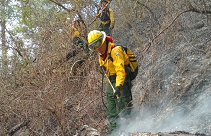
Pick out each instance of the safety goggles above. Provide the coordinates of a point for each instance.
(94, 45)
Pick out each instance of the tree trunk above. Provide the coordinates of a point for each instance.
(4, 66)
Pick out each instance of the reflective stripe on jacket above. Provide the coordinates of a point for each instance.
(117, 67)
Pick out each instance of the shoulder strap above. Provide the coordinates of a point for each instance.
(109, 57)
(108, 12)
(123, 49)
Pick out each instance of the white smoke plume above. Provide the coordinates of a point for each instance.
(193, 118)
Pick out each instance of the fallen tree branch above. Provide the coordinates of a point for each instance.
(17, 127)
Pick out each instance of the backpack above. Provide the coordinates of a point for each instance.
(133, 64)
(105, 16)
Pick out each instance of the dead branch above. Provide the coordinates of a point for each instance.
(76, 62)
(53, 112)
(68, 10)
(89, 104)
(200, 11)
(191, 9)
(149, 11)
(17, 127)
(156, 36)
(189, 4)
(13, 39)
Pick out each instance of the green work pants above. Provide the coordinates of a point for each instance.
(114, 106)
(105, 28)
(80, 43)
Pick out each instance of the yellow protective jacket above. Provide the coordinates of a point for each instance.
(75, 32)
(111, 17)
(117, 67)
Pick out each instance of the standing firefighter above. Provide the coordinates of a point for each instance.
(119, 98)
(106, 16)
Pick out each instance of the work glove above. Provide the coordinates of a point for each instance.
(117, 92)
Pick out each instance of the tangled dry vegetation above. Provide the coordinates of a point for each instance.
(52, 96)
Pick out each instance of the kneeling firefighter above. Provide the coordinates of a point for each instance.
(114, 62)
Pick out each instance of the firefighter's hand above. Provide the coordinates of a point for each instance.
(102, 69)
(117, 92)
(111, 27)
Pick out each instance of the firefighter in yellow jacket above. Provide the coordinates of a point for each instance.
(117, 71)
(106, 16)
(75, 31)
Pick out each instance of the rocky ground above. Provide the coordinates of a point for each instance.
(172, 91)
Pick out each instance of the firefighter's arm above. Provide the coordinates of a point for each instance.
(71, 30)
(111, 17)
(118, 62)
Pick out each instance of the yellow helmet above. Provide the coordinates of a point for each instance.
(96, 39)
(102, 1)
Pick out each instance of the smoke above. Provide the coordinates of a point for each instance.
(193, 117)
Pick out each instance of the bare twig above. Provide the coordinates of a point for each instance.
(191, 9)
(150, 12)
(13, 39)
(205, 9)
(68, 10)
(156, 36)
(53, 111)
(17, 127)
(89, 104)
(76, 63)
